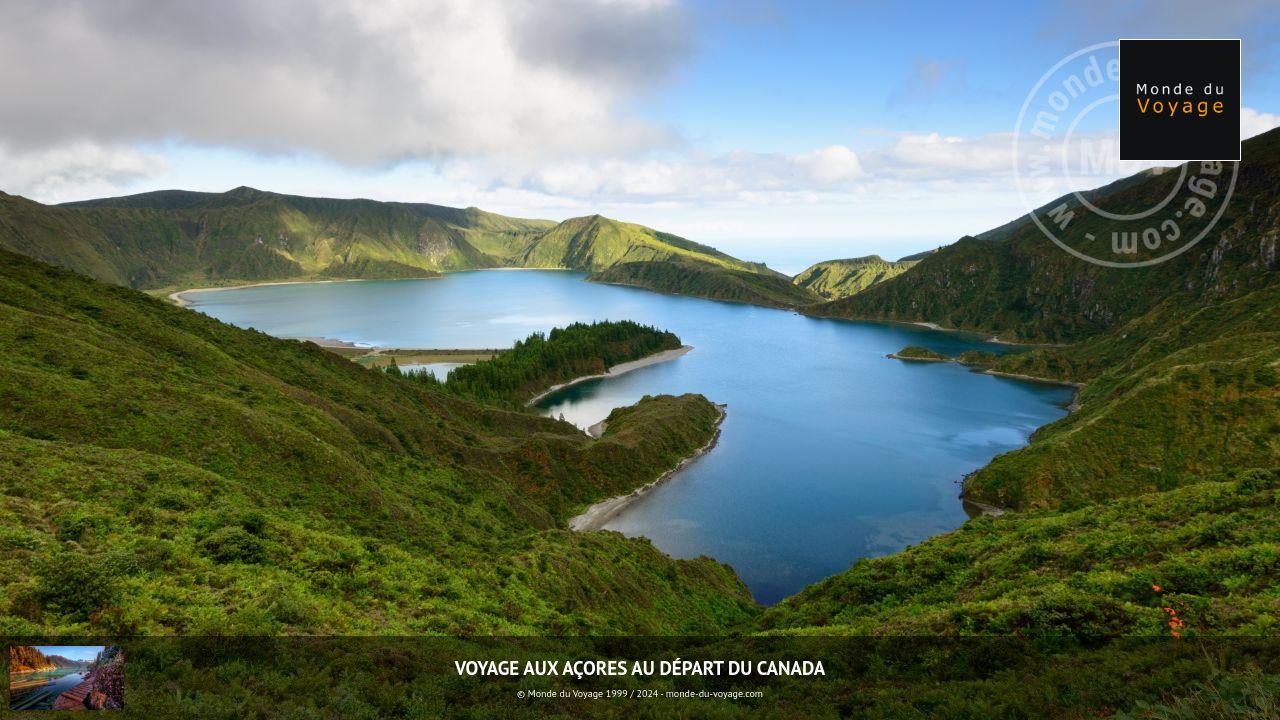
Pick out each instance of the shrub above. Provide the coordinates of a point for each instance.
(74, 584)
(233, 544)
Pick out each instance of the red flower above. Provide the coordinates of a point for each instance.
(1156, 588)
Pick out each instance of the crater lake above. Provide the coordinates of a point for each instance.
(829, 452)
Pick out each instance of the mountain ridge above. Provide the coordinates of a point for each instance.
(182, 239)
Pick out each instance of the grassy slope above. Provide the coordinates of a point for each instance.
(1174, 396)
(163, 472)
(1212, 547)
(699, 279)
(595, 243)
(832, 279)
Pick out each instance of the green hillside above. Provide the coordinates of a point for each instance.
(706, 280)
(595, 243)
(1148, 512)
(1025, 288)
(178, 238)
(1171, 398)
(832, 279)
(1084, 574)
(161, 472)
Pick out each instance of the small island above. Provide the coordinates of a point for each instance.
(919, 354)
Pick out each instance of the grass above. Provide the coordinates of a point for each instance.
(834, 279)
(165, 473)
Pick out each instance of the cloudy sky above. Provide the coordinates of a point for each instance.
(781, 131)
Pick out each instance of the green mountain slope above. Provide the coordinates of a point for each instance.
(1025, 288)
(832, 279)
(1164, 476)
(595, 243)
(706, 280)
(161, 472)
(1084, 574)
(179, 238)
(1172, 397)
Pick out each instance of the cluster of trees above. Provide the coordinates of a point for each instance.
(545, 359)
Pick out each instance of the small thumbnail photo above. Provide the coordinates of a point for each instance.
(66, 677)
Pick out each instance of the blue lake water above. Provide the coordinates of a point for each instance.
(830, 451)
(39, 690)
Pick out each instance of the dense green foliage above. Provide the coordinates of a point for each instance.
(177, 238)
(1212, 548)
(1171, 398)
(542, 360)
(705, 280)
(832, 279)
(161, 472)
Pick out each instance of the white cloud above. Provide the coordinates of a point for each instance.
(1253, 122)
(360, 82)
(829, 165)
(692, 177)
(75, 170)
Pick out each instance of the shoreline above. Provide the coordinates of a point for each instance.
(619, 369)
(984, 509)
(988, 338)
(180, 301)
(176, 296)
(595, 516)
(1072, 406)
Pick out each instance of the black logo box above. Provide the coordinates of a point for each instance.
(1185, 67)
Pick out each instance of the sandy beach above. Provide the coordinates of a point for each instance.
(619, 369)
(594, 517)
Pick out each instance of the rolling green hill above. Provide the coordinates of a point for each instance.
(1018, 284)
(711, 281)
(161, 472)
(595, 243)
(178, 238)
(833, 279)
